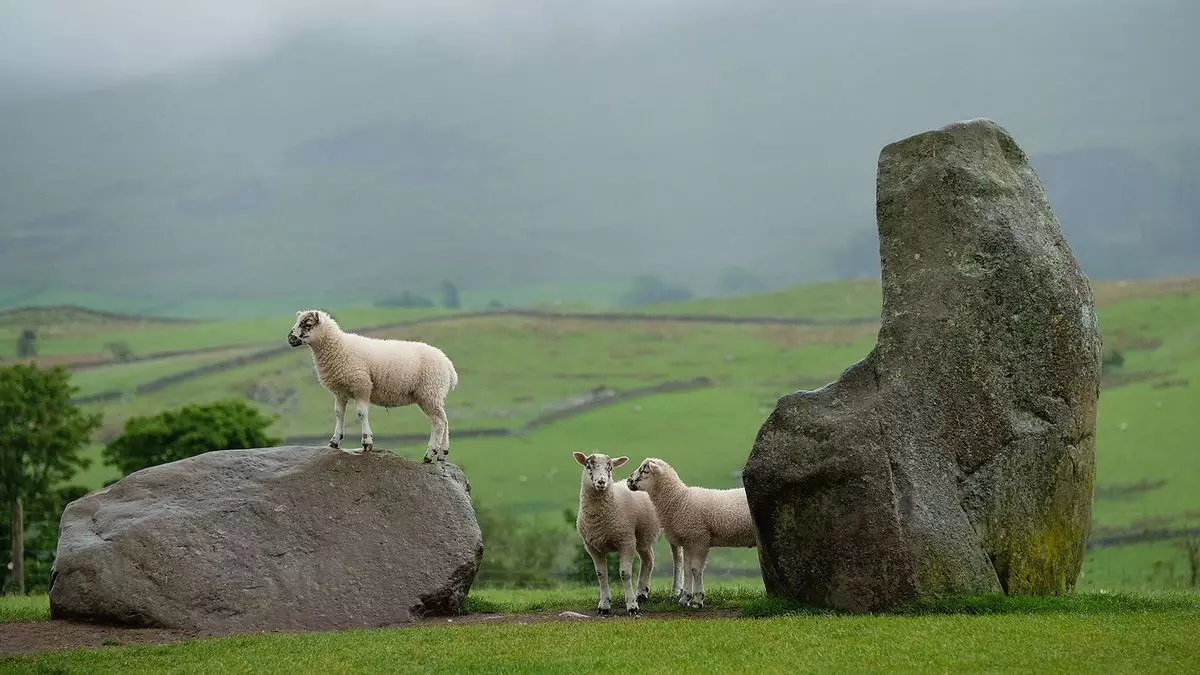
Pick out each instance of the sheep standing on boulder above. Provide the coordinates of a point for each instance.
(388, 373)
(694, 518)
(612, 518)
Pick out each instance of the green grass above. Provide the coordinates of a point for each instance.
(24, 608)
(828, 301)
(720, 594)
(127, 376)
(1155, 637)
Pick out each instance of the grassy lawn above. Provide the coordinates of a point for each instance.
(1084, 634)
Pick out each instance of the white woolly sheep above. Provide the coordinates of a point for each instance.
(612, 518)
(388, 373)
(694, 518)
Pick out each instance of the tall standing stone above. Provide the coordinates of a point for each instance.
(959, 456)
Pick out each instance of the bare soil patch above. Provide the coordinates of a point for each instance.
(33, 637)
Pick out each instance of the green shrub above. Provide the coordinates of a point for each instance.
(189, 431)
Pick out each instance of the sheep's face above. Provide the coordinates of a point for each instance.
(644, 476)
(598, 468)
(308, 325)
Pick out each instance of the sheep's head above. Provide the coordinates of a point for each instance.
(308, 327)
(598, 468)
(646, 474)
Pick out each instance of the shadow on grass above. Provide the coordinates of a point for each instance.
(583, 599)
(1076, 603)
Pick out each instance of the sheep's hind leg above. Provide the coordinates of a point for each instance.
(439, 432)
(339, 424)
(361, 408)
(604, 606)
(697, 563)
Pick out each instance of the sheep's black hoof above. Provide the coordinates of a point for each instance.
(603, 611)
(634, 611)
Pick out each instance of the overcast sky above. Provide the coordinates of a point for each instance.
(55, 44)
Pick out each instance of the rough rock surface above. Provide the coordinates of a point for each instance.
(959, 455)
(288, 538)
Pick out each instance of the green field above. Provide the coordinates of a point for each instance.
(515, 368)
(1085, 633)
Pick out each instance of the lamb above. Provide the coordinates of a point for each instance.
(612, 518)
(388, 373)
(695, 519)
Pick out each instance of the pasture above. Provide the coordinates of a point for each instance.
(546, 384)
(1083, 633)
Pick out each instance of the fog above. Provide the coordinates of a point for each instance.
(559, 141)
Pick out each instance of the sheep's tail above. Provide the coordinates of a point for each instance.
(453, 376)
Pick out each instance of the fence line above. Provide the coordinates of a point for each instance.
(270, 352)
(536, 423)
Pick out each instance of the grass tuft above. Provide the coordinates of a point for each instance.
(15, 608)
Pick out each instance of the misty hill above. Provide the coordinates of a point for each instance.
(730, 136)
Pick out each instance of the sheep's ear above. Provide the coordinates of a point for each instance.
(316, 317)
(619, 461)
(580, 457)
(299, 314)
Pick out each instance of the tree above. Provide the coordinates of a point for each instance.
(649, 289)
(450, 295)
(27, 344)
(738, 280)
(121, 351)
(194, 429)
(405, 299)
(41, 433)
(40, 522)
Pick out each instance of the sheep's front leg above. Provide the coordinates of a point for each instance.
(605, 605)
(361, 408)
(677, 567)
(339, 424)
(696, 564)
(439, 432)
(686, 584)
(626, 567)
(647, 557)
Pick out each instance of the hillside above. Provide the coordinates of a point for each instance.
(537, 386)
(583, 161)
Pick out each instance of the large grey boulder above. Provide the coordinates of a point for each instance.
(959, 456)
(285, 538)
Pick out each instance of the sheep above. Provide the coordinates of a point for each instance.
(388, 373)
(695, 519)
(612, 518)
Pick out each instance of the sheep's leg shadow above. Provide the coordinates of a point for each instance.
(604, 606)
(339, 424)
(626, 567)
(647, 557)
